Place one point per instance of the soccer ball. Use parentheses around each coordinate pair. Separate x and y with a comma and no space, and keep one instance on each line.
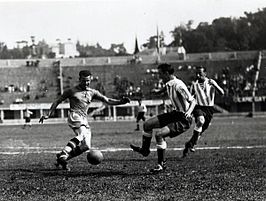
(94,157)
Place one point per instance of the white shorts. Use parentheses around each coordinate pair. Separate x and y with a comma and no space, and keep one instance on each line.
(76,120)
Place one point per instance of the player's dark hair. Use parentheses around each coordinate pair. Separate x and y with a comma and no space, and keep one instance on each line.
(84,73)
(201,67)
(166,68)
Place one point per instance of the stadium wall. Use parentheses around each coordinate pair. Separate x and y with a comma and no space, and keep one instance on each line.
(14,113)
(44,80)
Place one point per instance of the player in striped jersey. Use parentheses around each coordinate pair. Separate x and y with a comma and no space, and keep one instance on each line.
(203,90)
(170,124)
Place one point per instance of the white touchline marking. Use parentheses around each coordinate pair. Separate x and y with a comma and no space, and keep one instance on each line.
(53,150)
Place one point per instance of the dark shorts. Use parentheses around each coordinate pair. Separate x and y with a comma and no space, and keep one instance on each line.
(141,115)
(206,111)
(27,119)
(175,121)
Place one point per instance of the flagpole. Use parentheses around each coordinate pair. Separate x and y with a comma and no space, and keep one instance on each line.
(158,46)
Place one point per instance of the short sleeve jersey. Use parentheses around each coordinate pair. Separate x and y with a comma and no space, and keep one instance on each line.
(204,93)
(27,113)
(80,99)
(179,94)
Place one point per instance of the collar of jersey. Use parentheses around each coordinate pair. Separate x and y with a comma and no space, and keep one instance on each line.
(172,81)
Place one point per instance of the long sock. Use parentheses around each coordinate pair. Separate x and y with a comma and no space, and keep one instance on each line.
(75,152)
(71,145)
(195,137)
(161,156)
(161,147)
(146,142)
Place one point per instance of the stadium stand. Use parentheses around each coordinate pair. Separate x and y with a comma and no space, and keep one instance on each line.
(116,76)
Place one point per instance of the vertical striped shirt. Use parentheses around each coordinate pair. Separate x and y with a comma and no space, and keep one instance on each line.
(179,94)
(204,93)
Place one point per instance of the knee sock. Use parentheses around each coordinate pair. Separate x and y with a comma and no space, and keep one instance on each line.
(71,145)
(146,142)
(161,156)
(75,152)
(195,137)
(161,147)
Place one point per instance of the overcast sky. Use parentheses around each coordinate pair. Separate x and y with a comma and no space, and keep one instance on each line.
(110,21)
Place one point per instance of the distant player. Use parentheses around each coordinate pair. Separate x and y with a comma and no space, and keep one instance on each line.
(27,116)
(203,90)
(170,124)
(142,109)
(79,98)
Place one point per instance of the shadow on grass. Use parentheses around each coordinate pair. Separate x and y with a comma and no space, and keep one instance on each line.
(17,173)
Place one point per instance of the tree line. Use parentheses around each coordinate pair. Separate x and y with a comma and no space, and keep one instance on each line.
(223,34)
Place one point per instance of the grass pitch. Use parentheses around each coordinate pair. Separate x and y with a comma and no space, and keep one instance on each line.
(228,165)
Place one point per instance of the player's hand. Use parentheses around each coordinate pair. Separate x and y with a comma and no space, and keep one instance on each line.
(125,100)
(188,115)
(42,119)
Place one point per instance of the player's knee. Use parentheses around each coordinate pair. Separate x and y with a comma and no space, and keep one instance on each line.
(150,124)
(200,121)
(161,144)
(160,141)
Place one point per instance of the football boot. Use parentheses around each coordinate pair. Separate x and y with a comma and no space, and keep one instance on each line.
(188,148)
(159,168)
(61,160)
(143,152)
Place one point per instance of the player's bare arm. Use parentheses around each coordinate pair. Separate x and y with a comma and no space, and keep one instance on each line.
(183,90)
(216,86)
(111,101)
(192,104)
(53,107)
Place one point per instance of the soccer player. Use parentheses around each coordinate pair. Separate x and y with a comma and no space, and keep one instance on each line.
(170,124)
(79,97)
(142,109)
(203,90)
(27,117)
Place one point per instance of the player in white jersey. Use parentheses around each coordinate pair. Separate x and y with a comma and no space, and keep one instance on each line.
(204,91)
(142,109)
(79,98)
(170,124)
(27,116)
